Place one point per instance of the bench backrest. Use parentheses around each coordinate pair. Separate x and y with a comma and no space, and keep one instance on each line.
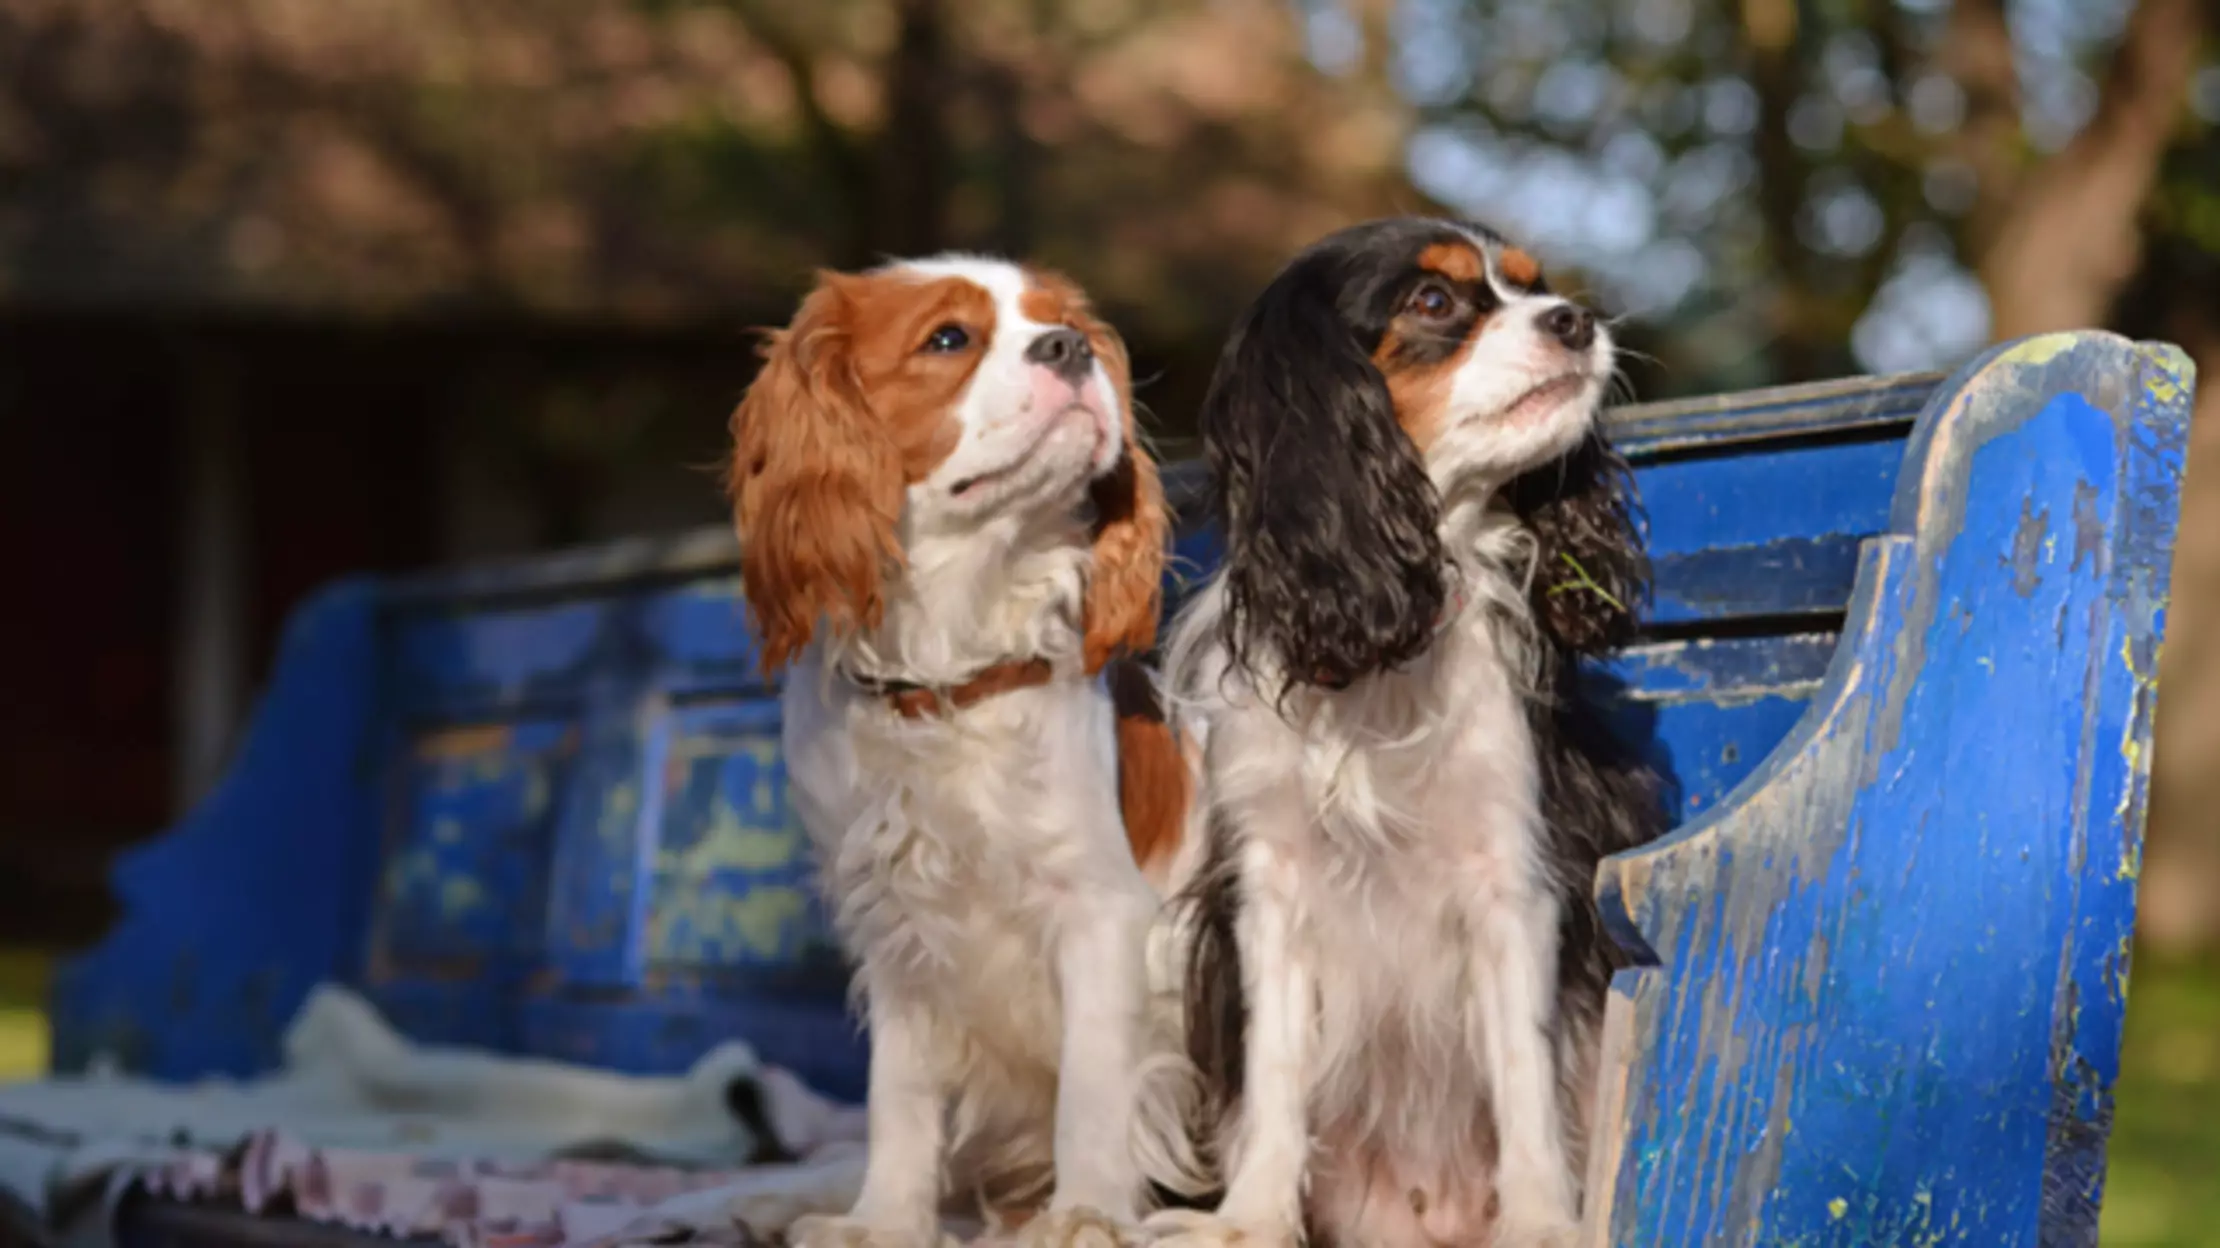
(540,806)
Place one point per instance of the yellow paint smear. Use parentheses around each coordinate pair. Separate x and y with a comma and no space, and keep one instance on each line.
(698,915)
(2041,349)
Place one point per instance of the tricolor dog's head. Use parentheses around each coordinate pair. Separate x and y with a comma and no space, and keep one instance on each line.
(1390,372)
(933,399)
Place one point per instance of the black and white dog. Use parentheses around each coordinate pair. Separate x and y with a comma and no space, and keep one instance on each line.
(1396,970)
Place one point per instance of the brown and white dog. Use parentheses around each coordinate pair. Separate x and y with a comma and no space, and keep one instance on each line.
(948,531)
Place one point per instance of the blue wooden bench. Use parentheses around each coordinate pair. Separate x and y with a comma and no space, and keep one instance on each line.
(1899,670)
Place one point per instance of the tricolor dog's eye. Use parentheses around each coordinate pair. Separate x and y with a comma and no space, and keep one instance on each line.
(947,338)
(1431,300)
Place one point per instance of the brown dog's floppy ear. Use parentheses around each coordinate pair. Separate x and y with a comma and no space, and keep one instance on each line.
(816,486)
(1126,580)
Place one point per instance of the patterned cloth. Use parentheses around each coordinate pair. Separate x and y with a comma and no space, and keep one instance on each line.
(366,1129)
(485,1204)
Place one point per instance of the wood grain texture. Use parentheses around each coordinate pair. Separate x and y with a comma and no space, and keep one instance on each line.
(1882,987)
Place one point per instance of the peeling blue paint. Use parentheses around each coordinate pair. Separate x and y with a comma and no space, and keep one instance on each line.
(1904,933)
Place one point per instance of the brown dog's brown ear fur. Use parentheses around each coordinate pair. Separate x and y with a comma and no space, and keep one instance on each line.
(1125,583)
(816,486)
(1154,782)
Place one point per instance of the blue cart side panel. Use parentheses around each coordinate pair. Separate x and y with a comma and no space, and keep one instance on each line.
(263,891)
(460,917)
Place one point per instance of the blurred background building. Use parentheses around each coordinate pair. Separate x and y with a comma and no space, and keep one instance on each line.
(296,288)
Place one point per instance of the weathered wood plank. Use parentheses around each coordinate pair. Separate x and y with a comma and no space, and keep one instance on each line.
(1881,990)
(1850,407)
(1710,710)
(1768,531)
(1858,408)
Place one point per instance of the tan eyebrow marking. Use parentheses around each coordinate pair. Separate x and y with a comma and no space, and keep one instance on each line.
(1459,262)
(1519,267)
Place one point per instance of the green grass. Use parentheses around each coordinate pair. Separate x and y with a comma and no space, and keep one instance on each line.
(2163,1189)
(23,1035)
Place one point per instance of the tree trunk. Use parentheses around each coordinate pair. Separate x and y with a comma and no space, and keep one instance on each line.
(2055,246)
(912,190)
(1769,36)
(2181,867)
(1977,54)
(2070,238)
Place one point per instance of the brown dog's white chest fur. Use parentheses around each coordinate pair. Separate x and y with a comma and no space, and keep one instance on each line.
(961,854)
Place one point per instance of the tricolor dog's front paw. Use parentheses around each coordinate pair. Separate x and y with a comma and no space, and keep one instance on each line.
(1190,1228)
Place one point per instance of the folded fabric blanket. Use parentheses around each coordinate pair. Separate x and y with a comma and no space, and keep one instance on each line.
(485,1204)
(365,1128)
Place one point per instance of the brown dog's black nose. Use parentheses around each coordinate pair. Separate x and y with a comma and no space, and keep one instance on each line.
(1064,351)
(1571,324)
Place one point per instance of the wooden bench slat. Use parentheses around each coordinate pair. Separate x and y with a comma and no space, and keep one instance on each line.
(1773,532)
(1720,424)
(1713,709)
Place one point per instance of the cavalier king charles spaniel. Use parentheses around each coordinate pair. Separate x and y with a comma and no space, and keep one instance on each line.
(1395,967)
(948,532)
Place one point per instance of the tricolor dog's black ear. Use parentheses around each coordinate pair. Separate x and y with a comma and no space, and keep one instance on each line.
(1333,565)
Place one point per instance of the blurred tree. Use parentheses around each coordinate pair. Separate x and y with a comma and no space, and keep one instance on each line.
(1788,189)
(669,162)
(1771,189)
(665,158)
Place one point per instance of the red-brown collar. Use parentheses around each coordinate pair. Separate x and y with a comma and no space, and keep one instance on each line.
(914,701)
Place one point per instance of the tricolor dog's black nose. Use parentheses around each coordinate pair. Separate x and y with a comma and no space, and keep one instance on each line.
(1065,351)
(1571,324)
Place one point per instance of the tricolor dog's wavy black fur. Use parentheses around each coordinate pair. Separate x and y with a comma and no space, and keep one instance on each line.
(1420,510)
(1333,563)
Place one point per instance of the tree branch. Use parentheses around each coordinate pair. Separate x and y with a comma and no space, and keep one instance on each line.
(1769,30)
(840,154)
(2070,237)
(912,199)
(1977,54)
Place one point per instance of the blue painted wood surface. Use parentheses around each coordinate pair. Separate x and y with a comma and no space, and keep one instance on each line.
(539,806)
(1884,982)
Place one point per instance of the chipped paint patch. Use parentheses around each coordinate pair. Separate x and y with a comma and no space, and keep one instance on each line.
(2088,528)
(2028,542)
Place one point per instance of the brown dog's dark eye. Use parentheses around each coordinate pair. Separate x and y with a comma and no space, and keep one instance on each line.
(949,337)
(1431,301)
